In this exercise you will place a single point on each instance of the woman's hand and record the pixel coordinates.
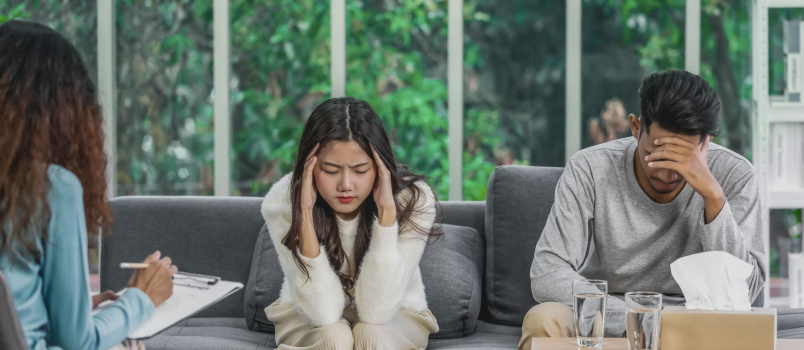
(308, 191)
(383, 194)
(99, 298)
(156, 280)
(308, 241)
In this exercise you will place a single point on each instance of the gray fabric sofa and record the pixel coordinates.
(476, 277)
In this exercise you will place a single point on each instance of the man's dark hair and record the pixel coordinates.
(680, 102)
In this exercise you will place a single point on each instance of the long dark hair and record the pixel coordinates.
(349, 119)
(49, 114)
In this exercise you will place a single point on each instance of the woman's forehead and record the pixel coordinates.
(343, 152)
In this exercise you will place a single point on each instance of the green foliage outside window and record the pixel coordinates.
(396, 61)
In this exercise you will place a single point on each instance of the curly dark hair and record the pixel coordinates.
(49, 115)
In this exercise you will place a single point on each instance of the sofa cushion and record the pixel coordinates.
(518, 203)
(451, 272)
(210, 333)
(488, 336)
(264, 283)
(790, 323)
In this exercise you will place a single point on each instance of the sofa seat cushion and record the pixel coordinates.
(452, 273)
(790, 323)
(210, 333)
(487, 336)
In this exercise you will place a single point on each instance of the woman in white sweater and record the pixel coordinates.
(350, 225)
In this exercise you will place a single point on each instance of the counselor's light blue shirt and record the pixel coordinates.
(52, 295)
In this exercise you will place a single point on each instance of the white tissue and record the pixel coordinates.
(713, 281)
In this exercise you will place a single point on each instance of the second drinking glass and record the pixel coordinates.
(642, 320)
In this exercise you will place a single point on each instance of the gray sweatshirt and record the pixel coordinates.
(603, 226)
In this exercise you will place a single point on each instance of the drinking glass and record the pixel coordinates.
(590, 311)
(642, 320)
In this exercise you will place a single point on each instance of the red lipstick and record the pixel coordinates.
(346, 199)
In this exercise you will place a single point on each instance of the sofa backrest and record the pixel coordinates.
(517, 205)
(207, 235)
(221, 236)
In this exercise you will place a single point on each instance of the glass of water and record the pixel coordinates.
(642, 320)
(590, 311)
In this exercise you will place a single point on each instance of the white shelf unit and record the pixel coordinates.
(766, 110)
(785, 199)
(780, 111)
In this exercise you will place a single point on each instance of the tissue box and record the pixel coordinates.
(683, 329)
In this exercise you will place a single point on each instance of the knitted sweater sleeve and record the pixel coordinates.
(392, 259)
(318, 294)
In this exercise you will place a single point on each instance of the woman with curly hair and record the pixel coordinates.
(350, 225)
(53, 196)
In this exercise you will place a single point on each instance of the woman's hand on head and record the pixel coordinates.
(308, 191)
(156, 280)
(383, 193)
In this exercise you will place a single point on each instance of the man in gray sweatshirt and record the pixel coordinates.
(624, 210)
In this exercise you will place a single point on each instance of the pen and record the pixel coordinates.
(126, 265)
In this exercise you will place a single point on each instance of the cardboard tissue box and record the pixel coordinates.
(685, 329)
(718, 312)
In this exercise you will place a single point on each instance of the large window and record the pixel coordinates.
(280, 73)
(514, 82)
(164, 86)
(514, 87)
(624, 41)
(397, 61)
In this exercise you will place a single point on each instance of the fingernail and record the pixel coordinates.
(650, 164)
(646, 157)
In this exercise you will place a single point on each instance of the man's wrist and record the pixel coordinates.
(714, 193)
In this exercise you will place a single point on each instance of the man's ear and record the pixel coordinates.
(635, 124)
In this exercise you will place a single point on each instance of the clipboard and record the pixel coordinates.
(192, 293)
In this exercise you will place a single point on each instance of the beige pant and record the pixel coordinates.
(547, 320)
(407, 330)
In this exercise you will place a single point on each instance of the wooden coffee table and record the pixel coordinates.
(621, 344)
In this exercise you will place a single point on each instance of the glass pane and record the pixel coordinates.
(785, 238)
(397, 61)
(514, 87)
(776, 56)
(280, 73)
(76, 21)
(726, 65)
(624, 41)
(164, 90)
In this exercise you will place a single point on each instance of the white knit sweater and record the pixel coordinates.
(389, 279)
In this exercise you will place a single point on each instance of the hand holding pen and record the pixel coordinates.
(154, 277)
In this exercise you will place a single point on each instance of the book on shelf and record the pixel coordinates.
(787, 156)
(793, 46)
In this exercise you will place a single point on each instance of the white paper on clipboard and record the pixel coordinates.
(190, 296)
